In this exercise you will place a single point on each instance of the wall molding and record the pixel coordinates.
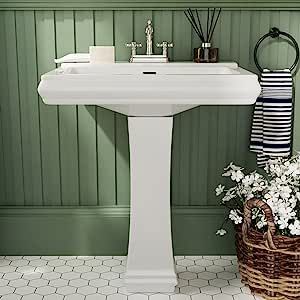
(149, 4)
(103, 230)
(30, 211)
(113, 211)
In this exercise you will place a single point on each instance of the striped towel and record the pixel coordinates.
(271, 132)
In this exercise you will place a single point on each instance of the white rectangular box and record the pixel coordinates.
(102, 54)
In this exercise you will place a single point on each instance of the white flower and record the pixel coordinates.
(260, 224)
(221, 232)
(250, 179)
(233, 167)
(285, 192)
(293, 170)
(295, 228)
(220, 189)
(272, 196)
(237, 175)
(274, 169)
(235, 217)
(247, 180)
(227, 198)
(230, 169)
(283, 223)
(230, 194)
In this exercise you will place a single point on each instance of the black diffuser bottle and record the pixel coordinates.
(205, 53)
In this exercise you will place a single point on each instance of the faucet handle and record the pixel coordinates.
(133, 45)
(165, 45)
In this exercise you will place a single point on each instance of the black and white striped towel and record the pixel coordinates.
(271, 133)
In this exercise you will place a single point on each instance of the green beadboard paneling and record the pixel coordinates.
(71, 155)
(78, 156)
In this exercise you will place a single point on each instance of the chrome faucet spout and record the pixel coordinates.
(149, 37)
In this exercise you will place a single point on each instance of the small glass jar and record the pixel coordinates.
(206, 54)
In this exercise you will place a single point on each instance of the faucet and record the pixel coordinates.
(149, 37)
(149, 56)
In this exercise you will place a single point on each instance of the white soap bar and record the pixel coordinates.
(102, 54)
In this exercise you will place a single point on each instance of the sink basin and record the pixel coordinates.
(149, 89)
(150, 94)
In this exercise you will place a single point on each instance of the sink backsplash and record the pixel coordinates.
(78, 157)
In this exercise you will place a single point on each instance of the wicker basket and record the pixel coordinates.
(269, 264)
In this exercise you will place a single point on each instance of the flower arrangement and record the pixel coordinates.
(279, 187)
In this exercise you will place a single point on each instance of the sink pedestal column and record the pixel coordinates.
(150, 262)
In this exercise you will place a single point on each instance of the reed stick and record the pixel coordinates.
(211, 22)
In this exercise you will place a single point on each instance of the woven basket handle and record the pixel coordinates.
(268, 237)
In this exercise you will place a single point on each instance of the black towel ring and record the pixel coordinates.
(273, 33)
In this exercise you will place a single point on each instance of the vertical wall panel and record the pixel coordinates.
(84, 25)
(122, 161)
(29, 107)
(3, 70)
(175, 169)
(194, 166)
(163, 23)
(182, 35)
(104, 28)
(65, 43)
(264, 26)
(106, 156)
(123, 34)
(201, 146)
(213, 152)
(123, 26)
(243, 112)
(295, 31)
(10, 113)
(214, 149)
(49, 126)
(284, 25)
(226, 114)
(185, 157)
(106, 139)
(2, 167)
(274, 52)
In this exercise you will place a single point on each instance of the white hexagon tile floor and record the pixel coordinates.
(100, 278)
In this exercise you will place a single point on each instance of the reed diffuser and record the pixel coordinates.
(205, 53)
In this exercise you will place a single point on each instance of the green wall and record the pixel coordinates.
(64, 171)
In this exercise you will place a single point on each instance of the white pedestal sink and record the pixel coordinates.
(150, 94)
